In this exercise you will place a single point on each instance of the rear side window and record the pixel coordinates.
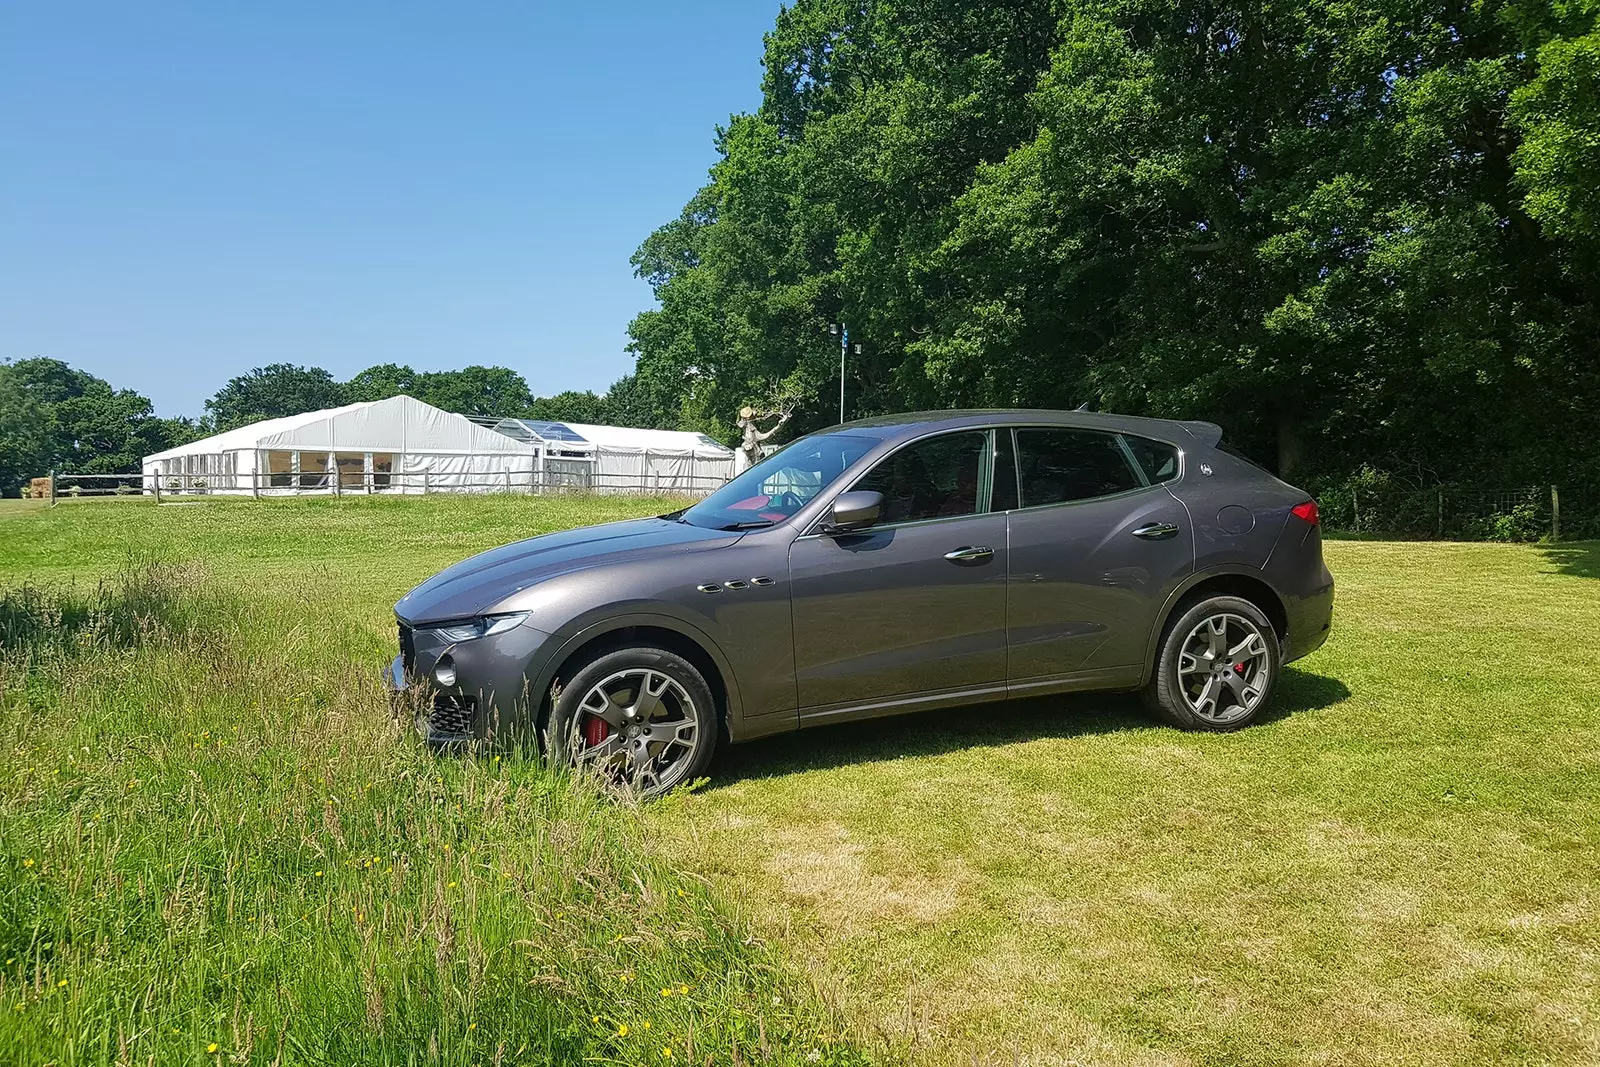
(1158, 459)
(1058, 465)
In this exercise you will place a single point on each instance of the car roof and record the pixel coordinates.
(916, 423)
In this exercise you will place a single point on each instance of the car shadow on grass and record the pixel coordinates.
(1577, 558)
(980, 725)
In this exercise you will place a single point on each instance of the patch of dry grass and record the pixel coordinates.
(1400, 868)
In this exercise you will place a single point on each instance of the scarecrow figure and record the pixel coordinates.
(749, 452)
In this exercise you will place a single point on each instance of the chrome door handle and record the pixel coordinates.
(968, 553)
(1156, 531)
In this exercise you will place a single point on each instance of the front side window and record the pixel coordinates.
(1158, 459)
(1059, 465)
(932, 479)
(781, 484)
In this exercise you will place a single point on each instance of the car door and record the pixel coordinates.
(1097, 544)
(914, 605)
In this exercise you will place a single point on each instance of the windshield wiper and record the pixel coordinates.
(754, 524)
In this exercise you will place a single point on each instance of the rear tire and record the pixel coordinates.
(641, 719)
(1216, 667)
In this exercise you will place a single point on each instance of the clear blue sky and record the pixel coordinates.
(191, 190)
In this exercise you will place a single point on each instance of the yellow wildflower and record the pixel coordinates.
(61, 983)
(211, 1047)
(28, 862)
(622, 1031)
(683, 990)
(667, 1052)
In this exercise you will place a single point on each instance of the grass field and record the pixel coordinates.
(1400, 867)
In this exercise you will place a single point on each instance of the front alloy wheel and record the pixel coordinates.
(638, 719)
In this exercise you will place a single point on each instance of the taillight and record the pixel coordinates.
(1307, 511)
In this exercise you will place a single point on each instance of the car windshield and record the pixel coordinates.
(779, 485)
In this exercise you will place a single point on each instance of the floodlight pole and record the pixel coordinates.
(842, 331)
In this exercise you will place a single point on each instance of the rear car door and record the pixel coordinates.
(915, 604)
(1097, 544)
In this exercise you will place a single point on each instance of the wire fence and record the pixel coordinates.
(1466, 513)
(531, 482)
(1520, 513)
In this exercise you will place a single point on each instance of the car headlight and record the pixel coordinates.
(485, 626)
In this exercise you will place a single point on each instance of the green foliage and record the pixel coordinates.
(272, 392)
(1343, 229)
(55, 417)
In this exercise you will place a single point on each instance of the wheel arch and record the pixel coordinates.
(1246, 585)
(633, 631)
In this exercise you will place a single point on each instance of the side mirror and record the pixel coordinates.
(854, 511)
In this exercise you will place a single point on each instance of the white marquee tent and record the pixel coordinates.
(398, 445)
(620, 458)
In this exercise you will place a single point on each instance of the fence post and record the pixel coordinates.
(1441, 511)
(1555, 514)
(424, 481)
(508, 481)
(158, 483)
(52, 477)
(1355, 506)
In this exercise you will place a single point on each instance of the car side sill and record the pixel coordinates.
(1124, 677)
(943, 698)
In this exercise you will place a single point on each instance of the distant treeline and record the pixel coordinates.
(53, 417)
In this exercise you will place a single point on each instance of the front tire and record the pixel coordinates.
(641, 719)
(1216, 667)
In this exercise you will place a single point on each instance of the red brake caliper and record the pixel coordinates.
(1238, 668)
(595, 730)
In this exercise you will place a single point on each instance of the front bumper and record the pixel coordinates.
(489, 696)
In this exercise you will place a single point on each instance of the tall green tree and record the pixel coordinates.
(273, 391)
(380, 382)
(1345, 229)
(475, 390)
(54, 417)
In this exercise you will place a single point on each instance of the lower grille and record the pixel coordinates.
(451, 715)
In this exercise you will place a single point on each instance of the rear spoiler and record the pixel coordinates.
(1207, 433)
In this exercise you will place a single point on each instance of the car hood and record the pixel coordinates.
(476, 584)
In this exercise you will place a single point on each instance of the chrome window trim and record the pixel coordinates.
(1182, 455)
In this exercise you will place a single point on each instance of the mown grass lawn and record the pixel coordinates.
(1402, 866)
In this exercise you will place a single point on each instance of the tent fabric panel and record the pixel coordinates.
(633, 438)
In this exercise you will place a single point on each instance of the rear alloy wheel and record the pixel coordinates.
(1216, 667)
(639, 719)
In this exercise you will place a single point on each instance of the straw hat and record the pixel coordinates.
(747, 412)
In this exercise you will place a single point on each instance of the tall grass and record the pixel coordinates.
(217, 845)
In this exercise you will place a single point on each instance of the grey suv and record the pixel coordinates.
(880, 567)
